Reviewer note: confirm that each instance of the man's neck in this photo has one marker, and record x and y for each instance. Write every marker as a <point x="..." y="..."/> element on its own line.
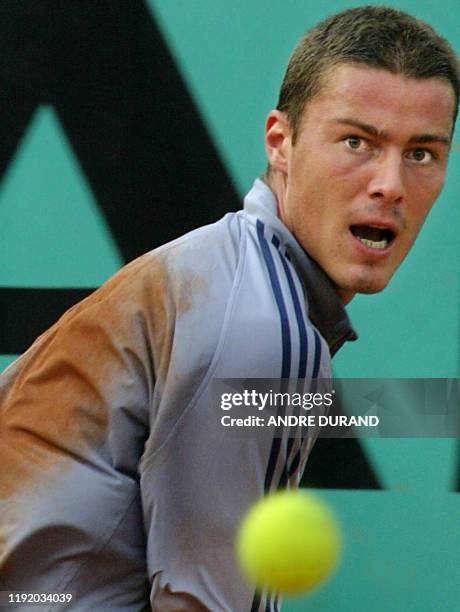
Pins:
<point x="278" y="184"/>
<point x="277" y="181"/>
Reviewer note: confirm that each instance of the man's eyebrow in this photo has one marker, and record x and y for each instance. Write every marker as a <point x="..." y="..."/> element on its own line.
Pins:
<point x="373" y="131"/>
<point x="365" y="127"/>
<point x="426" y="138"/>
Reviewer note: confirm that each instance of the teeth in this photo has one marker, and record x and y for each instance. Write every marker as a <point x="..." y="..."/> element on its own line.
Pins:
<point x="381" y="244"/>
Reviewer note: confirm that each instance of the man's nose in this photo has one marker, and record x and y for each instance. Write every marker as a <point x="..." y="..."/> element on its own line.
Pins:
<point x="387" y="181"/>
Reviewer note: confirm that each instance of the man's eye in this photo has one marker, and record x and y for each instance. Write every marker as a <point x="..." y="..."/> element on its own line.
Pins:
<point x="356" y="143"/>
<point x="420" y="156"/>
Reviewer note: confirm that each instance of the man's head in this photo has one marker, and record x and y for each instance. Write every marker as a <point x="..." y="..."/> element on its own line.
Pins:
<point x="374" y="36"/>
<point x="358" y="145"/>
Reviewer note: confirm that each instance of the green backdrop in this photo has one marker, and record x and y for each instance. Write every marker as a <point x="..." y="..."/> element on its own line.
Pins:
<point x="402" y="543"/>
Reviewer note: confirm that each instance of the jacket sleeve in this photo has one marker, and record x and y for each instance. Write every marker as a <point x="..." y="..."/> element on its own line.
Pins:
<point x="74" y="417"/>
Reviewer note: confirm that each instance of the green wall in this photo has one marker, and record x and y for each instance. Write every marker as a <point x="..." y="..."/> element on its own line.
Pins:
<point x="402" y="543"/>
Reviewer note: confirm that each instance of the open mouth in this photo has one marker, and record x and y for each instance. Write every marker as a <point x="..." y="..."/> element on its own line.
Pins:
<point x="373" y="237"/>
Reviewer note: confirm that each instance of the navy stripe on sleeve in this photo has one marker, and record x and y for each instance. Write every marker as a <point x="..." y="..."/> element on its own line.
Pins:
<point x="317" y="361"/>
<point x="286" y="348"/>
<point x="303" y="354"/>
<point x="255" y="603"/>
<point x="302" y="371"/>
<point x="285" y="373"/>
<point x="275" y="283"/>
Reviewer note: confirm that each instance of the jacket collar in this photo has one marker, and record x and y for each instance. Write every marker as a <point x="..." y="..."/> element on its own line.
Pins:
<point x="325" y="308"/>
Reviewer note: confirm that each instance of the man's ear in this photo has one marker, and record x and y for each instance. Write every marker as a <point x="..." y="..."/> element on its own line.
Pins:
<point x="277" y="140"/>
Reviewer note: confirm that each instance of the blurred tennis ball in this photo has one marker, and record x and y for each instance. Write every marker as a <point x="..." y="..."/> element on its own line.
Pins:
<point x="289" y="542"/>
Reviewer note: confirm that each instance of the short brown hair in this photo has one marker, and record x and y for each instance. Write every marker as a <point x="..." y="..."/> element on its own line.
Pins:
<point x="377" y="36"/>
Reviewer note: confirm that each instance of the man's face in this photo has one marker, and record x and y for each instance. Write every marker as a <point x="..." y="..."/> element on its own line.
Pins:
<point x="368" y="163"/>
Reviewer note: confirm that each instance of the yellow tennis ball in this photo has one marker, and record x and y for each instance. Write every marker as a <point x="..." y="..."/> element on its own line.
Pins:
<point x="288" y="542"/>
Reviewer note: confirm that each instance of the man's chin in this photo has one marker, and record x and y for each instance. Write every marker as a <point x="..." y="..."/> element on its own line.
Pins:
<point x="368" y="286"/>
<point x="369" y="289"/>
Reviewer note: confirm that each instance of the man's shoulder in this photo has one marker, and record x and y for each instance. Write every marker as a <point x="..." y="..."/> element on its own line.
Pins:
<point x="206" y="255"/>
<point x="204" y="246"/>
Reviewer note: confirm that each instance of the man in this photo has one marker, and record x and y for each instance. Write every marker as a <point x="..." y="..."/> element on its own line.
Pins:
<point x="119" y="483"/>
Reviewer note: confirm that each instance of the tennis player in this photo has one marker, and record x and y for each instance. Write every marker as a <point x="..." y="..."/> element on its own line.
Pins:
<point x="120" y="487"/>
